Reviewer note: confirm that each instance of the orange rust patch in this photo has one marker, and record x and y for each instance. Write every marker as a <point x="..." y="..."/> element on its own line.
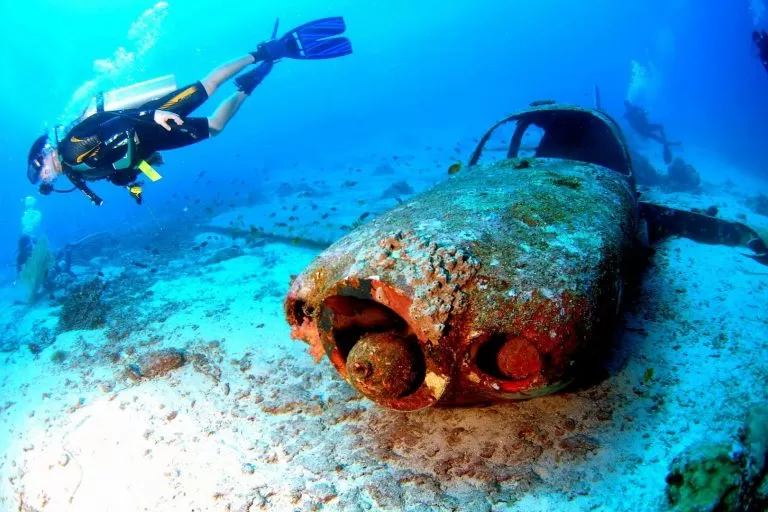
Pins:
<point x="338" y="363"/>
<point x="517" y="386"/>
<point x="518" y="359"/>
<point x="390" y="297"/>
<point x="548" y="329"/>
<point x="308" y="333"/>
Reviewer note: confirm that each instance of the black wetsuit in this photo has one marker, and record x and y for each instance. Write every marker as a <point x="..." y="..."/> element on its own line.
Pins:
<point x="761" y="41"/>
<point x="26" y="245"/>
<point x="97" y="147"/>
<point x="637" y="118"/>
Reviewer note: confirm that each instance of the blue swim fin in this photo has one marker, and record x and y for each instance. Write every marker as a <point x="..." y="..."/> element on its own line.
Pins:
<point x="313" y="40"/>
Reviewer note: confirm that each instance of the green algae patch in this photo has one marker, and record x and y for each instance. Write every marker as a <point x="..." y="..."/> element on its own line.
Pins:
<point x="571" y="182"/>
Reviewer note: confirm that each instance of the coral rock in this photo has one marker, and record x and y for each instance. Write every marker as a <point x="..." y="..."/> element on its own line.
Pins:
<point x="156" y="364"/>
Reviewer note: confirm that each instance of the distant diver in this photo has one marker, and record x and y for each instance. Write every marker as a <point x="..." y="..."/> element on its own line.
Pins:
<point x="761" y="41"/>
<point x="637" y="117"/>
<point x="120" y="134"/>
<point x="24" y="250"/>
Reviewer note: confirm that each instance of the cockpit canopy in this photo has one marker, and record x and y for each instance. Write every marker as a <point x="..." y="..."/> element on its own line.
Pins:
<point x="557" y="131"/>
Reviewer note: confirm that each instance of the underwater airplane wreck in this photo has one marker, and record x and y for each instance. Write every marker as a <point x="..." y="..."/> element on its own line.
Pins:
<point x="503" y="281"/>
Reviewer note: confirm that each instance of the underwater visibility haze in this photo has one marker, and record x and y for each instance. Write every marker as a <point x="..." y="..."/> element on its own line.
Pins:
<point x="281" y="256"/>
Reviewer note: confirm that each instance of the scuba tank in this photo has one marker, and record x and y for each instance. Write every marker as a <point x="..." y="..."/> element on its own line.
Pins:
<point x="132" y="96"/>
<point x="124" y="98"/>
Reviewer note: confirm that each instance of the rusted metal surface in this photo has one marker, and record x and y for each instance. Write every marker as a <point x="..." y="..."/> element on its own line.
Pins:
<point x="499" y="283"/>
<point x="493" y="285"/>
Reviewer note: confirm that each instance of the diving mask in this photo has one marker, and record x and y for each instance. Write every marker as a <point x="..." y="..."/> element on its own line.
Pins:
<point x="42" y="161"/>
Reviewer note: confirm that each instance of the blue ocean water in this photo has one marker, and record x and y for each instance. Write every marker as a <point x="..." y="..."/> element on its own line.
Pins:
<point x="323" y="146"/>
<point x="418" y="68"/>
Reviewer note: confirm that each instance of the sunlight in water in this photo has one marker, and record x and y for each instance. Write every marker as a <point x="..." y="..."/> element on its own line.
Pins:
<point x="124" y="62"/>
<point x="757" y="8"/>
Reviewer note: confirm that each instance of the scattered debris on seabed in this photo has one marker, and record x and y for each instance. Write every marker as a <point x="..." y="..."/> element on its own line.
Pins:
<point x="173" y="385"/>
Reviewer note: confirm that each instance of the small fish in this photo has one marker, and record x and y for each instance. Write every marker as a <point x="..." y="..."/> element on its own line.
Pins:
<point x="203" y="244"/>
<point x="281" y="225"/>
<point x="324" y="216"/>
<point x="454" y="168"/>
<point x="648" y="375"/>
<point x="139" y="264"/>
<point x="364" y="215"/>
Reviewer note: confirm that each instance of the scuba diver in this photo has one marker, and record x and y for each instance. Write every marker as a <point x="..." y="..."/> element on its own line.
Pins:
<point x="23" y="251"/>
<point x="120" y="134"/>
<point x="761" y="41"/>
<point x="637" y="118"/>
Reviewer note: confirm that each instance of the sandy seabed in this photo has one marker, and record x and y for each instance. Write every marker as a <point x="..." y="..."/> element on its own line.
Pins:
<point x="249" y="422"/>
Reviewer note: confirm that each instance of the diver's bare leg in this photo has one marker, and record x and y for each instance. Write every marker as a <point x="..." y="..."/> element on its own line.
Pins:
<point x="226" y="111"/>
<point x="224" y="72"/>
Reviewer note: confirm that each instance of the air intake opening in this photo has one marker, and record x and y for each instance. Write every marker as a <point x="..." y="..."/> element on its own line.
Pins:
<point x="383" y="358"/>
<point x="508" y="357"/>
<point x="352" y="318"/>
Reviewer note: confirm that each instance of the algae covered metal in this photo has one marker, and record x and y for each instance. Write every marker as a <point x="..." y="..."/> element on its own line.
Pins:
<point x="498" y="283"/>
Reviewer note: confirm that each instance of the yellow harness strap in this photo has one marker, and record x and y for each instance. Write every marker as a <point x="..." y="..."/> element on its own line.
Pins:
<point x="149" y="171"/>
